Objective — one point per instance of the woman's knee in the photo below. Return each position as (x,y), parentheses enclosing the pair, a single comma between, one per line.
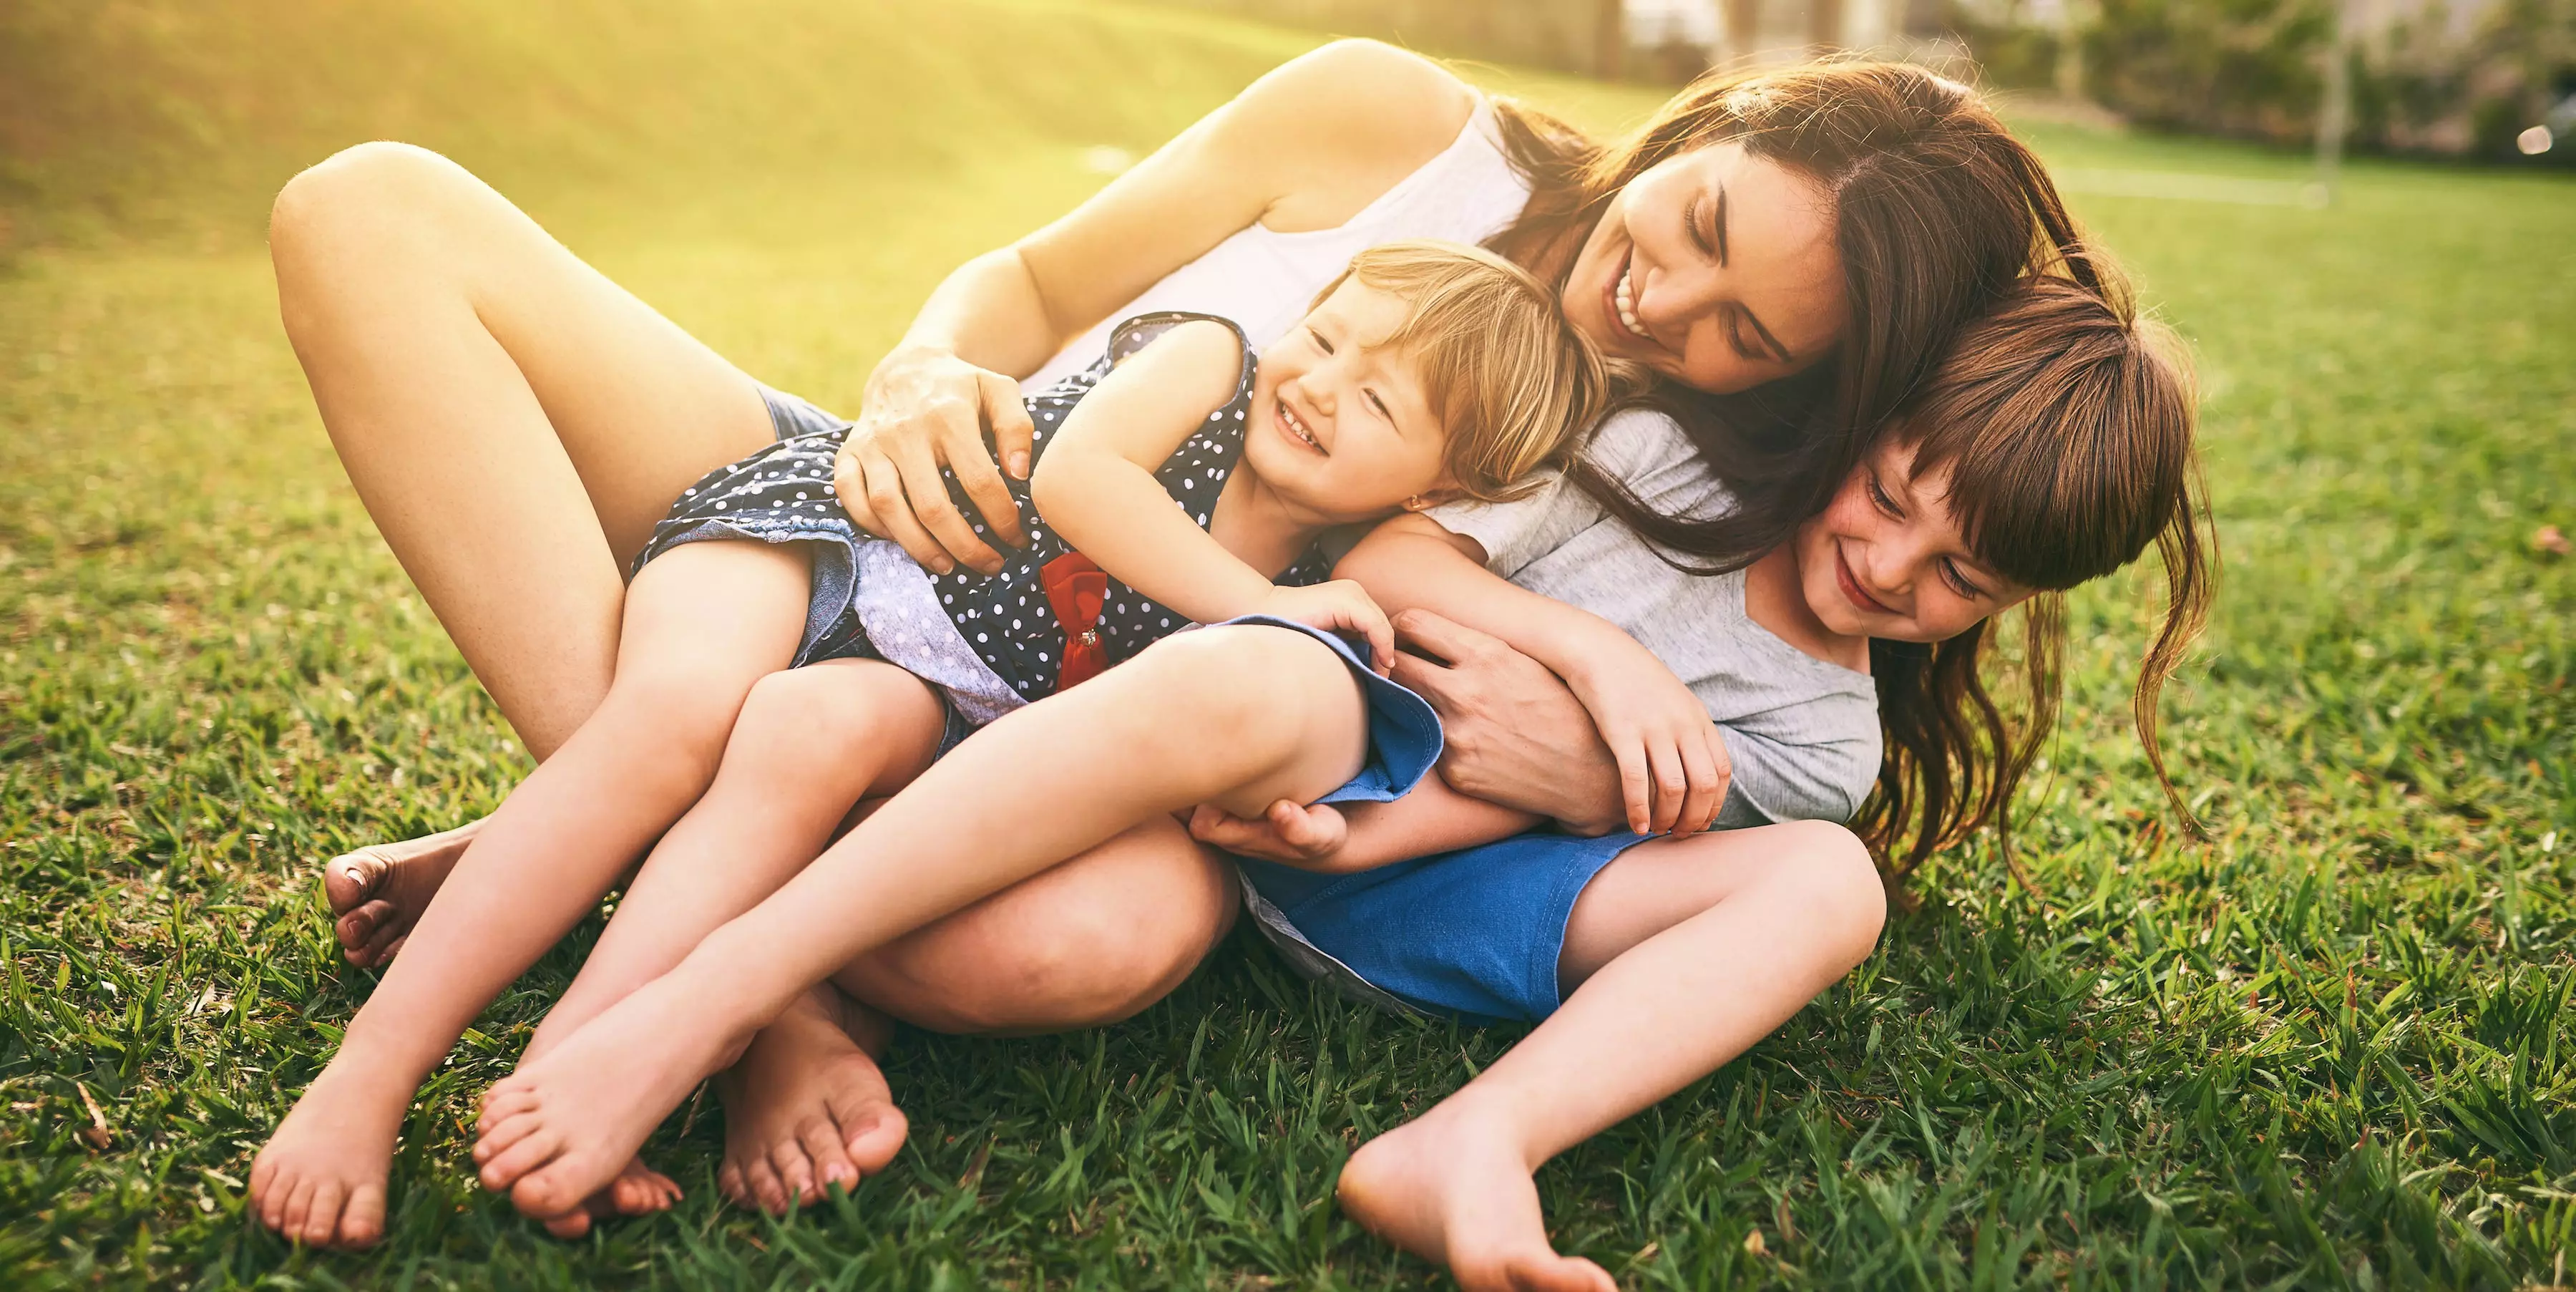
(1054,958)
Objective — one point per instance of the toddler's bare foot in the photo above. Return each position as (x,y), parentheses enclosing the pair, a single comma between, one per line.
(561,1128)
(320,1179)
(807,1107)
(1449,1189)
(377,891)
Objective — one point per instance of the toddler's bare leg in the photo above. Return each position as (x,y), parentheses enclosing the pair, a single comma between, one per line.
(514,422)
(1235,716)
(1687,951)
(808,743)
(701,625)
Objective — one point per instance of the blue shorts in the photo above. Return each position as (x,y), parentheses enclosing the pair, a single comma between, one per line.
(1473,934)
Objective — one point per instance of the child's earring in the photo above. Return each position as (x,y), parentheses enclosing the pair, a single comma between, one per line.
(1417,503)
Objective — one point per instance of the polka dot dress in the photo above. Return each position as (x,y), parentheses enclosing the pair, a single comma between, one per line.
(784,494)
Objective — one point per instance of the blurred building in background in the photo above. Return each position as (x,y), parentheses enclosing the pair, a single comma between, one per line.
(2491,78)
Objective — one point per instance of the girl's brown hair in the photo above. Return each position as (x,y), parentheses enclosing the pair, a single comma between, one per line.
(1510,380)
(1937,210)
(2066,425)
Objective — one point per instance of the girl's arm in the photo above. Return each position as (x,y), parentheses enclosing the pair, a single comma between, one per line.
(1097,487)
(1303,147)
(1672,762)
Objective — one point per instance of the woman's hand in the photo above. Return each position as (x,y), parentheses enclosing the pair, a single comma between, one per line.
(1673,768)
(924,409)
(1515,734)
(1338,606)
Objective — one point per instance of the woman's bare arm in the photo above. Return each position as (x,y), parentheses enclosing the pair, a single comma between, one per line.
(1306,146)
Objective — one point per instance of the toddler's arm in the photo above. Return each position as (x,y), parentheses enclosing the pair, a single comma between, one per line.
(1339,839)
(1096,485)
(1671,759)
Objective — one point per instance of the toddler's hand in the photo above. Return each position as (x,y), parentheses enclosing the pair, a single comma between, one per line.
(1290,833)
(1338,606)
(1673,767)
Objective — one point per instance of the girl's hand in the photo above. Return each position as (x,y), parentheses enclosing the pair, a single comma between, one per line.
(1511,731)
(1290,833)
(924,409)
(1338,606)
(1673,768)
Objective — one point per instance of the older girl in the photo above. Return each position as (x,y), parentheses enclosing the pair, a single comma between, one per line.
(516,424)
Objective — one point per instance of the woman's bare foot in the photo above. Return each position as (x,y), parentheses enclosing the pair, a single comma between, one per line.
(377,891)
(320,1180)
(1451,1189)
(807,1107)
(562,1127)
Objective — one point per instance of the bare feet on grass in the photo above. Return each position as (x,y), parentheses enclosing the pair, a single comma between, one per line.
(320,1180)
(638,1190)
(378,891)
(807,1107)
(563,1127)
(1450,1189)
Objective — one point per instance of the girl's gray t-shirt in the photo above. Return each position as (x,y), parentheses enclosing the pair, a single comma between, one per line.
(1802,733)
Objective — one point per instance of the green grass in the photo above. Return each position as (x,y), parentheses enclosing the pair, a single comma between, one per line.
(2331,1049)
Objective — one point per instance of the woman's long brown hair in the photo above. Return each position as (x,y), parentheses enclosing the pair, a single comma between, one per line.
(1937,211)
(2065,424)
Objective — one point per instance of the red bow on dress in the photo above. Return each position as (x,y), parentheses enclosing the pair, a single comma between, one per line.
(1075,590)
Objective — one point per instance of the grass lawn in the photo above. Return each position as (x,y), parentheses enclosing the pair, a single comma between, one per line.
(2332,1048)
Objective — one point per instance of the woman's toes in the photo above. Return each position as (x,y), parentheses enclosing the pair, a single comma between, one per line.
(729,1183)
(765,1187)
(795,1172)
(821,1139)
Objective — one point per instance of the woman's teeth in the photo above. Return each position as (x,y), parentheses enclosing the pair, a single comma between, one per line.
(1288,418)
(1626,297)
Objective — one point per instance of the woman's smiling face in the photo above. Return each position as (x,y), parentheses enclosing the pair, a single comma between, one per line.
(1714,268)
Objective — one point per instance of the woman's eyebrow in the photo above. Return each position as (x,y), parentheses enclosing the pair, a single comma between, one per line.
(1777,349)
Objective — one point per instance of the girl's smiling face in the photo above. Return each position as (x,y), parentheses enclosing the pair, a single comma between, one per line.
(1887,559)
(1714,268)
(1341,425)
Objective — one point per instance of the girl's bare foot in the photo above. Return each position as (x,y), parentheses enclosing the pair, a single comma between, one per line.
(807,1107)
(1452,1189)
(638,1190)
(562,1127)
(320,1180)
(377,891)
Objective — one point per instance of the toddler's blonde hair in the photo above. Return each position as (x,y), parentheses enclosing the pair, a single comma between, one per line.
(1511,381)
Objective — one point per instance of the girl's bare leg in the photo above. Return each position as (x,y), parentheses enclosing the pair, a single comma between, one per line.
(514,422)
(702,625)
(807,744)
(1688,950)
(1237,716)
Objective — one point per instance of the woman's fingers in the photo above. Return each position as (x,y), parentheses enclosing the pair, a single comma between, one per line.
(1013,433)
(927,492)
(1447,639)
(881,488)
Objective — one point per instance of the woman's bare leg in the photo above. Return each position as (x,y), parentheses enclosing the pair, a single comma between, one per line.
(514,422)
(1239,717)
(1089,942)
(704,623)
(1687,951)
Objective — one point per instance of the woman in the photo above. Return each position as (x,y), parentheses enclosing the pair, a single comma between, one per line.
(516,424)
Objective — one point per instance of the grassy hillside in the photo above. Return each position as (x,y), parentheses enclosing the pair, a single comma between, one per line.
(2332,1049)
